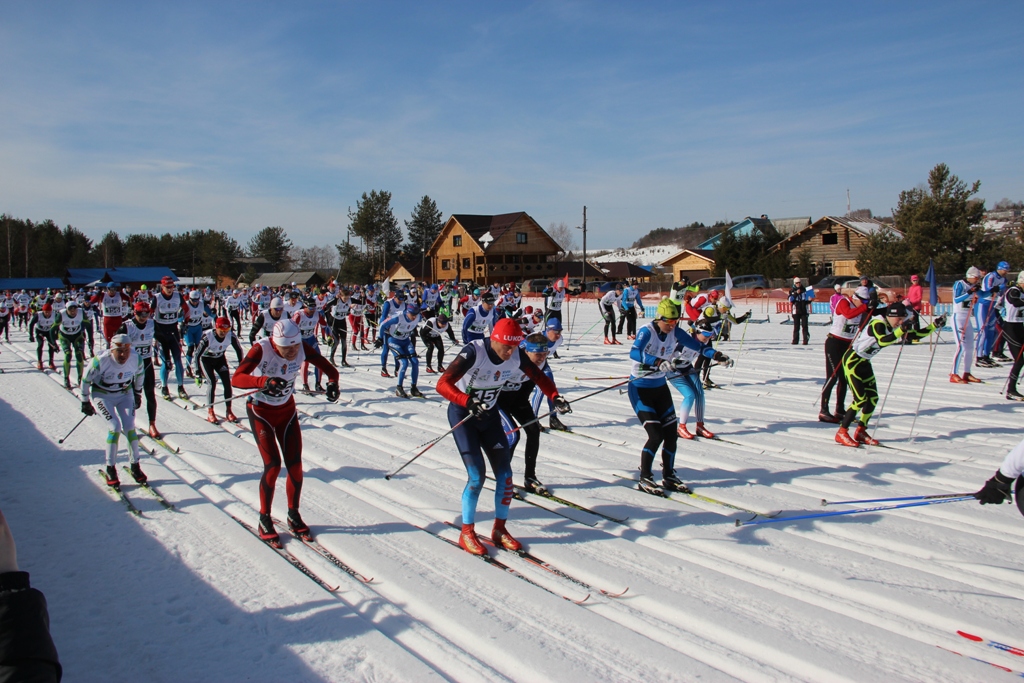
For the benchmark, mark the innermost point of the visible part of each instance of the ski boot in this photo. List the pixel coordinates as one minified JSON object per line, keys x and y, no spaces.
{"x":305,"y":387}
{"x":181,"y":393}
{"x":971,"y":379}
{"x":1002,"y":356}
{"x":708,"y":384}
{"x":165,"y":392}
{"x":861,"y":436}
{"x":67,"y":383}
{"x":415,"y":392}
{"x":211,"y":417}
{"x":555,"y":355}
{"x":1012,"y":395}
{"x":138,"y":475}
{"x":555,"y":424}
{"x":985,"y":362}
{"x":469,"y":542}
{"x":52,"y":366}
{"x":318,"y":388}
{"x":188,"y":371}
{"x":616,"y":341}
{"x":825,"y":416}
{"x":345,"y":364}
{"x":430,"y":370}
{"x":298,"y":527}
{"x":230,"y":417}
{"x":648,"y":485}
{"x":957,"y":379}
{"x":365,"y":347}
{"x":683,"y":432}
{"x":112,"y":480}
{"x":671,"y":482}
{"x":267,"y":532}
{"x":607,"y":341}
{"x":704,"y":433}
{"x":440,"y":368}
{"x":533,"y":485}
{"x":384,"y":372}
{"x":400,"y":392}
{"x":39,"y":365}
{"x":502,"y":538}
{"x":843,"y":437}
{"x":154,"y":433}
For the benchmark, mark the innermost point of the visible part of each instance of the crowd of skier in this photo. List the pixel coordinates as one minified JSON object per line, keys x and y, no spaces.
{"x":499,"y":378}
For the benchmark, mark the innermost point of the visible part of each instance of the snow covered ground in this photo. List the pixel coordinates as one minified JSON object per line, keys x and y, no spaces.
{"x":644,"y":256}
{"x":189,"y":595}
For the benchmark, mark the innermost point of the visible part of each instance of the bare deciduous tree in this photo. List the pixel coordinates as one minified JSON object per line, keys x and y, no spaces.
{"x":564,"y":236}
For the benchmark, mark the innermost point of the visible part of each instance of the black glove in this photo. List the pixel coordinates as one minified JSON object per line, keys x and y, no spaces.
{"x":723,"y":359}
{"x":275,"y":384}
{"x":87,"y":408}
{"x":561,"y":405}
{"x":378,"y":343}
{"x":475,"y":406}
{"x":743,"y":318}
{"x":995,"y":491}
{"x":333,"y":392}
{"x":940,"y":322}
{"x":138,"y":400}
{"x":31,"y":337}
{"x":907,"y":326}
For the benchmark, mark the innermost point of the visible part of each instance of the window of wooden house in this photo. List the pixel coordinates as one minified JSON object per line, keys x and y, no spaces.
{"x":829,"y":268}
{"x":465,"y":263}
{"x":457,"y":241}
{"x":512,"y":258}
{"x":446,"y":264}
{"x":520,"y":238}
{"x":829,"y":238}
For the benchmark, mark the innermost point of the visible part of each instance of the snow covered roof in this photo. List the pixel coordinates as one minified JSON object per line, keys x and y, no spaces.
{"x":645,"y":256}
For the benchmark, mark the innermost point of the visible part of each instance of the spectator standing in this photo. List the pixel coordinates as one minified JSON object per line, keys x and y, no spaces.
{"x":800,"y":297}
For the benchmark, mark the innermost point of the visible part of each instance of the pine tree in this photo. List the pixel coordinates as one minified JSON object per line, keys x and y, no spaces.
{"x":375,"y":222}
{"x":425,"y":226}
{"x":272,"y":244}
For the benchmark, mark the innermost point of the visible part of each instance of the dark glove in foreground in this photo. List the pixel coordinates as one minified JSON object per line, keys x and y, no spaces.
{"x":275,"y":384}
{"x":333,"y":392}
{"x":561,"y":405}
{"x":138,"y":400}
{"x":378,"y":343}
{"x":995,"y":491}
{"x":475,"y":406}
{"x":940,"y":322}
{"x":87,"y":408}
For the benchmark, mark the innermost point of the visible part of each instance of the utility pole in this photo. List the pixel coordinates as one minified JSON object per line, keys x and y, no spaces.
{"x":8,"y":221}
{"x":583,"y":285}
{"x":847,"y":201}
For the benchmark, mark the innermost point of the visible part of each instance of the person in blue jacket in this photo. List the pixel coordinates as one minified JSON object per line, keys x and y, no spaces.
{"x":480,"y":319}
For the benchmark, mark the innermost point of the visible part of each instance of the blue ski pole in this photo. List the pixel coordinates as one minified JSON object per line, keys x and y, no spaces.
{"x":893,"y":500}
{"x":837,"y":513}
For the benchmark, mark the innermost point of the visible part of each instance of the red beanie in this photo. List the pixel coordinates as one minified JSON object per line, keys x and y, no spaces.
{"x":507,"y":331}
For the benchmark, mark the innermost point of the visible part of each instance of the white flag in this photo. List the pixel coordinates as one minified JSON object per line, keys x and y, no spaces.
{"x":728,"y":289}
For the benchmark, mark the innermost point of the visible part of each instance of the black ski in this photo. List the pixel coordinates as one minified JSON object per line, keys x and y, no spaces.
{"x":501,"y":565}
{"x":547,"y":566}
{"x":568,"y":503}
{"x":120,"y":495}
{"x":323,"y":552}
{"x":148,"y":487}
{"x":294,"y":561}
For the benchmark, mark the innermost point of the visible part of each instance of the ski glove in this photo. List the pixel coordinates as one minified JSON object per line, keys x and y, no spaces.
{"x":138,"y":400}
{"x":995,"y":491}
{"x":723,"y":359}
{"x":940,"y":322}
{"x":275,"y":384}
{"x":199,"y":381}
{"x":475,"y":406}
{"x":87,"y":408}
{"x":666,"y":366}
{"x":333,"y":392}
{"x":561,"y":405}
{"x":743,"y":318}
{"x":378,"y":343}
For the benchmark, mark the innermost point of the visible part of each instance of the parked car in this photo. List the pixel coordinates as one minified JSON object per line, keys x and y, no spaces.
{"x":594,"y":286}
{"x":830,"y":281}
{"x":885,"y":294}
{"x":746,"y":286}
{"x":575,"y":286}
{"x":608,"y":286}
{"x":708,"y":283}
{"x":535,"y":286}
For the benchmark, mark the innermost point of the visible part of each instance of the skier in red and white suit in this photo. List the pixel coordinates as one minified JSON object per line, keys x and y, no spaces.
{"x":272,"y":366}
{"x":115,"y":306}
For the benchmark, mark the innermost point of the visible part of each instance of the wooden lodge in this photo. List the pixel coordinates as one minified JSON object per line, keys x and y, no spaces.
{"x":694,"y":264}
{"x":833,"y":243}
{"x":509,"y":247}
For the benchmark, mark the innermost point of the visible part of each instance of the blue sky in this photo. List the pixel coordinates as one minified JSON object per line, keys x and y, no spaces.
{"x":146,"y":117}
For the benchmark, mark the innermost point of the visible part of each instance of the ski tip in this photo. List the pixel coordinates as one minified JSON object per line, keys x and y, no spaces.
{"x":388,"y":477}
{"x":739,"y":523}
{"x":969,"y":636}
{"x":580,"y":602}
{"x":824,"y":502}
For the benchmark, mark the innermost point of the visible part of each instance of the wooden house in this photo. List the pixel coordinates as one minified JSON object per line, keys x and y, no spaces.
{"x":694,"y":264}
{"x":833,"y":243}
{"x":509,"y":247}
{"x":402,"y":272}
{"x":744,"y":227}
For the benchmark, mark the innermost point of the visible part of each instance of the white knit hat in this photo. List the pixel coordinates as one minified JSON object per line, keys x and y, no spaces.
{"x":286,"y":333}
{"x":973,"y":272}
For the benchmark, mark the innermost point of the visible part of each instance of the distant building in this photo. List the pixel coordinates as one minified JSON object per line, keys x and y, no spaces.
{"x":624,"y":270}
{"x":693,"y":264}
{"x":833,"y":243}
{"x":744,"y":227}
{"x":508,"y":247}
{"x":303,"y":279}
{"x":414,"y":270}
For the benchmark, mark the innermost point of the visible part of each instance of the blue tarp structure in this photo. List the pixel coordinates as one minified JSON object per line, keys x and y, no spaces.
{"x":31,"y":283}
{"x":147,"y":274}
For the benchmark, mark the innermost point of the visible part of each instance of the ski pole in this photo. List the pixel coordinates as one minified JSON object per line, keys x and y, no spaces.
{"x":920,"y":398}
{"x":878,"y":419}
{"x":72,"y":430}
{"x":593,"y":379}
{"x":740,"y":350}
{"x":937,"y":496}
{"x":588,"y":330}
{"x":196,"y":406}
{"x":429,"y":445}
{"x":837,"y":513}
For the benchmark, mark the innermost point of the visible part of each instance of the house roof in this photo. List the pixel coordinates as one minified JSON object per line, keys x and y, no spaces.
{"x":415,"y":267}
{"x":83,"y":276}
{"x":866,"y":228}
{"x":31,"y":283}
{"x":143,"y":274}
{"x":621,"y":270}
{"x":706,"y":254}
{"x":575,"y":269}
{"x":304,"y":277}
{"x":788,"y":226}
{"x":479,"y":226}
{"x":744,"y":227}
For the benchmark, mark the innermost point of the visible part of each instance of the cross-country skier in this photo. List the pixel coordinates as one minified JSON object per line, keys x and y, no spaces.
{"x":965,"y":294}
{"x":611,"y":300}
{"x":431,"y":336}
{"x":847,"y":317}
{"x":652,"y":353}
{"x":70,"y":332}
{"x":399,"y":331}
{"x":473,"y":383}
{"x":480,"y":319}
{"x":114,"y":381}
{"x":141,"y":330}
{"x":687,"y":381}
{"x":997,"y":489}
{"x":514,"y":401}
{"x":553,"y":334}
{"x":880,"y":332}
{"x":554,"y":297}
{"x":211,"y":361}
{"x":43,"y":326}
{"x":263,"y":323}
{"x":114,"y":305}
{"x":192,"y":326}
{"x":307,"y":319}
{"x":336,"y":317}
{"x":271,"y":366}
{"x":1013,"y":331}
{"x":168,"y":307}
{"x":990,"y":294}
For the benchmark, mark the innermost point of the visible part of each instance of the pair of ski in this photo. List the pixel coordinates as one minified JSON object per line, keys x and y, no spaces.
{"x":662,"y":493}
{"x":536,"y":561}
{"x":522,"y":493}
{"x":1009,"y":649}
{"x":129,"y":505}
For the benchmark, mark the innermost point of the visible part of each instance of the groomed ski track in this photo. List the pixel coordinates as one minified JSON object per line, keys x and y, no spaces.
{"x":190,"y":595}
